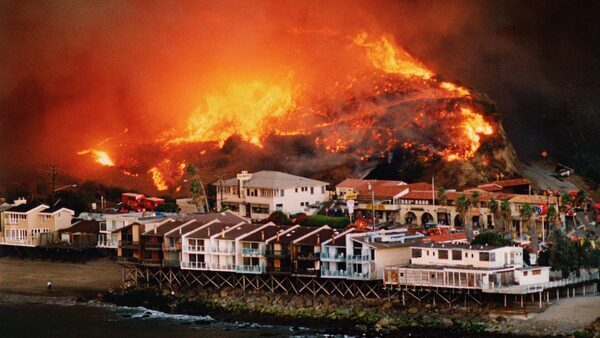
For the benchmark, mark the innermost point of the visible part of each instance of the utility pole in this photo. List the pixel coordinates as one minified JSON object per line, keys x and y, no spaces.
{"x":220,"y":177}
{"x":372,"y":188}
{"x":53,"y":175}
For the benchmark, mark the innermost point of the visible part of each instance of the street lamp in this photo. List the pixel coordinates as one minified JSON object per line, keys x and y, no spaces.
{"x":372,"y":188}
{"x":65,"y":187}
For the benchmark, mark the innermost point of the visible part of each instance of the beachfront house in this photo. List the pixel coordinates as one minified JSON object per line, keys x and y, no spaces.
{"x":24,"y":222}
{"x":333,"y":256}
{"x":464,"y":266}
{"x":306,"y":251}
{"x":251,"y":256}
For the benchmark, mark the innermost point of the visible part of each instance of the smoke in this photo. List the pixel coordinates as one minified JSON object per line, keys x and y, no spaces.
{"x":76,"y":73}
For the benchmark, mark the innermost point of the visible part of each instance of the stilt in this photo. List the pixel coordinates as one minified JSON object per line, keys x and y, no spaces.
{"x":521,"y":300}
{"x":557,"y":294}
{"x":505,"y":300}
{"x":540,"y":299}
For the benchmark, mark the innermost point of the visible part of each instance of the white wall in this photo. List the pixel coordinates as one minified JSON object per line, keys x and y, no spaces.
{"x":502,"y":257}
{"x":528,"y":276}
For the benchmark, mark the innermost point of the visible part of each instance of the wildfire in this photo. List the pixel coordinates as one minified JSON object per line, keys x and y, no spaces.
{"x":472,"y":126}
{"x":100,"y":157}
{"x":245,"y":109}
{"x":391,"y":59}
{"x":158,"y":179}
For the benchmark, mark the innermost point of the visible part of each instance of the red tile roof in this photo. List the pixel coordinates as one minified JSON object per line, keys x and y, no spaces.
{"x":509,"y":183}
{"x":446,"y":238}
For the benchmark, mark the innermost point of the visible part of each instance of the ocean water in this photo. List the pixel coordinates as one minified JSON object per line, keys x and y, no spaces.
{"x":26,"y":316}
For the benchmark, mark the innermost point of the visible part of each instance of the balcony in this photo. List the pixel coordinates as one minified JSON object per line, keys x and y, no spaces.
{"x":334,"y":273}
{"x":129,"y":244}
{"x":108,"y":244}
{"x":103,"y":226}
{"x":19,"y":241}
{"x":152,"y":262}
{"x":359,"y":275}
{"x":128,"y":260}
{"x":277,"y":253}
{"x":359,"y":258}
{"x":194,"y":265}
{"x":249,"y":269}
{"x":337,"y":257}
{"x":195,"y":248}
{"x":223,"y":250}
{"x":222,"y":267}
{"x":153,"y":246}
{"x":253,"y":252}
{"x":307,"y":256}
{"x":176,"y":247}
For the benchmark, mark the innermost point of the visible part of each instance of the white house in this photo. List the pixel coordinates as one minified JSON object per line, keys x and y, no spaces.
{"x":24,"y":222}
{"x":367,"y":254}
{"x":256,"y":195}
{"x":107,"y":237}
{"x":465,"y":266}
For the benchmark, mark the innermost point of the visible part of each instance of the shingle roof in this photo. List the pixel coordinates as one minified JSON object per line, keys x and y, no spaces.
{"x":211,"y":230}
{"x":54,"y":209}
{"x":164,"y":228}
{"x":238,"y":231}
{"x":269,"y":232}
{"x":87,"y":227}
{"x":290,"y":236}
{"x":274,"y":180}
{"x":27,"y":207}
{"x":317,"y":238}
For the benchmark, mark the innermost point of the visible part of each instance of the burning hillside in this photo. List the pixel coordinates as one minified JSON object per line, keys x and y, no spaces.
{"x":390,"y":104}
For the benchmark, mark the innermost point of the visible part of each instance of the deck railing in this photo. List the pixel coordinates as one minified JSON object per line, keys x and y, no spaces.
{"x":325,"y":256}
{"x":253,"y":252}
{"x":195,"y":248}
{"x":249,"y":268}
{"x":334,"y":273}
{"x":359,"y":258}
{"x":223,"y":250}
{"x":195,"y":265}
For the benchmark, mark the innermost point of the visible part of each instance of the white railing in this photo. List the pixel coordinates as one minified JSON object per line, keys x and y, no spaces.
{"x":253,"y":252}
{"x":107,"y":244}
{"x":359,"y":258}
{"x":227,"y":267}
{"x":334,"y":273}
{"x":325,"y":256}
{"x":542,"y":286}
{"x":249,"y":268}
{"x":19,"y":241}
{"x":194,"y":265}
{"x":195,"y":248}
{"x":223,"y":250}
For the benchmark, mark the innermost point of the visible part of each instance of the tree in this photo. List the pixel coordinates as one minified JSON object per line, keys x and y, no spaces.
{"x":279,"y":218}
{"x":506,"y":213}
{"x":196,"y":187}
{"x":491,"y":238}
{"x":441,"y":196}
{"x":526,"y":216}
{"x":475,"y":197}
{"x":563,"y":255}
{"x":495,"y":209}
{"x":566,"y":199}
{"x":462,"y":207}
{"x":552,"y":216}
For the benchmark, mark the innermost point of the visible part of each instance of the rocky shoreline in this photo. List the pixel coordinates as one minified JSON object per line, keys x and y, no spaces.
{"x":338,"y":315}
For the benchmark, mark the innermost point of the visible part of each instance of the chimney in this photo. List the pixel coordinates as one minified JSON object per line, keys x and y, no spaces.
{"x":277,"y":236}
{"x":208,"y":231}
{"x":262,"y":235}
{"x":318,"y":239}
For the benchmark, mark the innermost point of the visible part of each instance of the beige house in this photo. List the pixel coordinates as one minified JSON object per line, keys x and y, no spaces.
{"x":23,"y":223}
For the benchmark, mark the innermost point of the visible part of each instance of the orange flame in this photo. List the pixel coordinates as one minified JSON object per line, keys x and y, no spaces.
{"x":158,"y":179}
{"x":100,"y":157}
{"x":391,"y":59}
{"x":244,"y":109}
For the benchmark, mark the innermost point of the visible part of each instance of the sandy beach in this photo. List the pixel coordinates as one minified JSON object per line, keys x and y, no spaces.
{"x":24,"y":276}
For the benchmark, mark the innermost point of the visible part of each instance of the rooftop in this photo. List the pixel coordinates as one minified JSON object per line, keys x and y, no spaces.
{"x":269,"y":231}
{"x":458,"y":246}
{"x":87,"y":227}
{"x":211,"y":230}
{"x":291,"y":235}
{"x":318,"y":237}
{"x":239,"y":230}
{"x":274,"y":180}
{"x":27,"y":207}
{"x":162,"y":229}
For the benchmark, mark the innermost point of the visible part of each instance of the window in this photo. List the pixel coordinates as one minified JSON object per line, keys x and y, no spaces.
{"x":443,"y":254}
{"x":484,"y":256}
{"x":282,"y":192}
{"x":427,"y":252}
{"x":312,"y":190}
{"x":296,"y":189}
{"x":466,"y":255}
{"x":279,"y":207}
{"x":492,"y":257}
{"x":524,"y":273}
{"x":416,"y":253}
{"x":536,"y":272}
{"x":456,"y":255}
{"x":322,"y":189}
{"x":301,"y":204}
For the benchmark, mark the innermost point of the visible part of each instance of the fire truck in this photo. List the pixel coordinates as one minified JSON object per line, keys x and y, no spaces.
{"x":138,"y":202}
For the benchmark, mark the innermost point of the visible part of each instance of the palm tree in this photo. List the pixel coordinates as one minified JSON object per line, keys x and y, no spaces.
{"x":443,"y":201}
{"x":526,"y":215}
{"x":475,"y":197}
{"x":462,"y":207}
{"x":196,"y":187}
{"x":494,"y":208}
{"x":506,"y":214}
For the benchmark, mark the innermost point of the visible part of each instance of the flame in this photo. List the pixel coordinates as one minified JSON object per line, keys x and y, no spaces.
{"x":158,"y":179}
{"x":391,"y":59}
{"x":100,"y":157}
{"x":454,"y":88}
{"x":473,"y":126}
{"x":244,"y":109}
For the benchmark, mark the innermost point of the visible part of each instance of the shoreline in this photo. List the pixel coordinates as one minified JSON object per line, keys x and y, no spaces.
{"x":100,"y":280}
